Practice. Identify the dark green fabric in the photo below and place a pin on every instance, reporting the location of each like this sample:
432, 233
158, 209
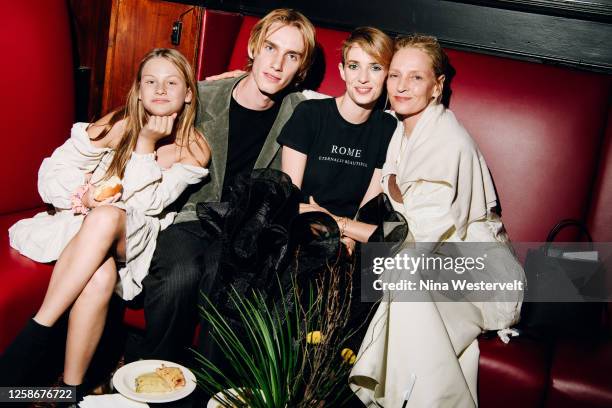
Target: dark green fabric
213, 121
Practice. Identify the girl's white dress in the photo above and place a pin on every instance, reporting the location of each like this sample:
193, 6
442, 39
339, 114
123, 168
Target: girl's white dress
147, 190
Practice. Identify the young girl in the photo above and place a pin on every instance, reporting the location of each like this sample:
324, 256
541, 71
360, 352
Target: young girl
103, 246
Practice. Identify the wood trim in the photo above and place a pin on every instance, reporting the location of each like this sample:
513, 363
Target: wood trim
573, 33
599, 10
110, 55
136, 27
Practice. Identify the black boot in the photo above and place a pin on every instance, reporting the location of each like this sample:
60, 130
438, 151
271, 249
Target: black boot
79, 394
24, 354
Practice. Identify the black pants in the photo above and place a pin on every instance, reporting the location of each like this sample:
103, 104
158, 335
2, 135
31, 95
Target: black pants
170, 293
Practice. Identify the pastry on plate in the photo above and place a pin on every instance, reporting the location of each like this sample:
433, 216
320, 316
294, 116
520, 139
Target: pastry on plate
172, 375
164, 379
151, 383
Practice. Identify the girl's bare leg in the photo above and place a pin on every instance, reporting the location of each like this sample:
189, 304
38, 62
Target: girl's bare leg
86, 323
102, 231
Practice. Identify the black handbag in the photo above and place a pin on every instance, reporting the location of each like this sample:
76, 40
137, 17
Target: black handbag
563, 296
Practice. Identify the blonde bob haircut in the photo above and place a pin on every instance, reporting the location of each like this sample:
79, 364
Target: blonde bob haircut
373, 42
285, 17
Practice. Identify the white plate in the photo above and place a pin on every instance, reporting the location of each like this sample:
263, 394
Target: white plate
124, 381
214, 402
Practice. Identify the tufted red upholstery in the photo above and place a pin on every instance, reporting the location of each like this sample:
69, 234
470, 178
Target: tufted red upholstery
24, 283
539, 128
513, 374
580, 375
214, 55
38, 88
600, 214
38, 106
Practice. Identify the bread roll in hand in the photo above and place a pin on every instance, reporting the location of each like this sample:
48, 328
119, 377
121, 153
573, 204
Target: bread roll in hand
108, 189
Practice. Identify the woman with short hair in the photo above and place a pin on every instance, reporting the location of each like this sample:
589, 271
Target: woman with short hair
425, 353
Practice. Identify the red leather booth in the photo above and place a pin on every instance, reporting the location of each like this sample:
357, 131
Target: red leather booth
545, 131
39, 109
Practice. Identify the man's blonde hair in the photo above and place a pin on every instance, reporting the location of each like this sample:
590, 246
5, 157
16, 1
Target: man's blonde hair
286, 17
373, 42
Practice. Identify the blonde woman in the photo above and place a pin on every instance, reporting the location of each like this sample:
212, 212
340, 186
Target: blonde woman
425, 354
152, 146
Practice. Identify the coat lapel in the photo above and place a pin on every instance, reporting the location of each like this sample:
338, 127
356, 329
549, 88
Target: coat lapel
215, 120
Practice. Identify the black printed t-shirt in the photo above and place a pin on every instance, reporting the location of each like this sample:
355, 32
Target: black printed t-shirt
342, 156
248, 130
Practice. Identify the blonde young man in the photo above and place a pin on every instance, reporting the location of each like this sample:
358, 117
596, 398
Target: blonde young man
241, 118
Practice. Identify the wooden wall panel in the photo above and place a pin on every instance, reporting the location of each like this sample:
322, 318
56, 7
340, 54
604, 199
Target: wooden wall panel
91, 21
137, 26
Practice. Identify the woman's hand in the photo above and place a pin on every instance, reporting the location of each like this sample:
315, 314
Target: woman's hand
231, 74
312, 206
349, 243
90, 202
157, 128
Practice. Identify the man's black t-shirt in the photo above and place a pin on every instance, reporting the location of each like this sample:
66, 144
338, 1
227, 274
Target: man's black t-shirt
342, 156
248, 130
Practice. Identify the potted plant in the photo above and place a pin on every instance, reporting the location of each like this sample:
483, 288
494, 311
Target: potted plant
289, 352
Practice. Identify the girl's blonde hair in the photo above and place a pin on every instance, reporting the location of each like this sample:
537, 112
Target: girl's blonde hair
373, 42
136, 116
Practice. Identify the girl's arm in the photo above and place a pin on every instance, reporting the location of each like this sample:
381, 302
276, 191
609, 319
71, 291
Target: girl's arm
61, 174
293, 163
374, 188
356, 230
149, 188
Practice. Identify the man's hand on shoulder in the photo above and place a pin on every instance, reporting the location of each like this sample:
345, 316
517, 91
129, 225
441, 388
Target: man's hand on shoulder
226, 75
